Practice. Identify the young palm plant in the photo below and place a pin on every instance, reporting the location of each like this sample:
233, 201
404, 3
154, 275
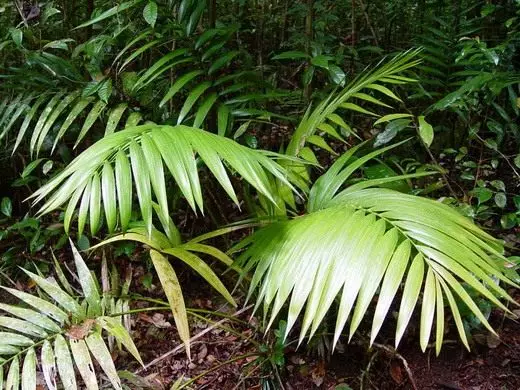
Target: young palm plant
63, 332
363, 239
353, 240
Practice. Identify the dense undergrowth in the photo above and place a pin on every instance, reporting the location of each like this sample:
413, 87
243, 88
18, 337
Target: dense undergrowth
338, 173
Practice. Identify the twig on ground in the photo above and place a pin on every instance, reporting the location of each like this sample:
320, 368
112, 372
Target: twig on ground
393, 352
180, 347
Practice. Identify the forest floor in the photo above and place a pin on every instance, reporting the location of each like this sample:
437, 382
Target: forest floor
225, 356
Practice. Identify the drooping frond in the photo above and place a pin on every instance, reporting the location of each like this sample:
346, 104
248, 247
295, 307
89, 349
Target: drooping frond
359, 240
60, 332
190, 253
102, 178
34, 117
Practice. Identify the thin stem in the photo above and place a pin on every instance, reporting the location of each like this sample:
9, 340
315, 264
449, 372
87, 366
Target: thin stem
241, 357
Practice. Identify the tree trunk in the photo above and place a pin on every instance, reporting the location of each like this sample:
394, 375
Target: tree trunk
212, 13
309, 34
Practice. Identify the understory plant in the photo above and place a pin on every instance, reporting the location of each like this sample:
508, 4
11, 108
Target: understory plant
58, 330
356, 237
145, 112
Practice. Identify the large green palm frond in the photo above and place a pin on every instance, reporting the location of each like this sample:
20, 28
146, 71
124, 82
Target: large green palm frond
359, 242
102, 177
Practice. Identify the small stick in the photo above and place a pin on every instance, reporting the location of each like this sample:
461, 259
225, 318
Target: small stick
179, 347
20, 11
393, 352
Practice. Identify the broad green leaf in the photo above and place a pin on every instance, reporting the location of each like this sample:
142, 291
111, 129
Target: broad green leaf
425, 131
150, 13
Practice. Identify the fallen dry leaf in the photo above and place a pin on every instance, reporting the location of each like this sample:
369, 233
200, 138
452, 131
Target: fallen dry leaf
79, 332
396, 372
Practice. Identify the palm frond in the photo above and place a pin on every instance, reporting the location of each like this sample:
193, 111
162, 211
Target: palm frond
59, 109
325, 117
360, 240
64, 331
107, 171
162, 247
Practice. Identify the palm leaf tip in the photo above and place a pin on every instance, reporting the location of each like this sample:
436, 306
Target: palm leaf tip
370, 241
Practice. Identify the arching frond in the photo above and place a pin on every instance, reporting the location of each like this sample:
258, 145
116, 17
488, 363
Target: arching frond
360, 242
190, 253
326, 116
60, 331
34, 118
102, 178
